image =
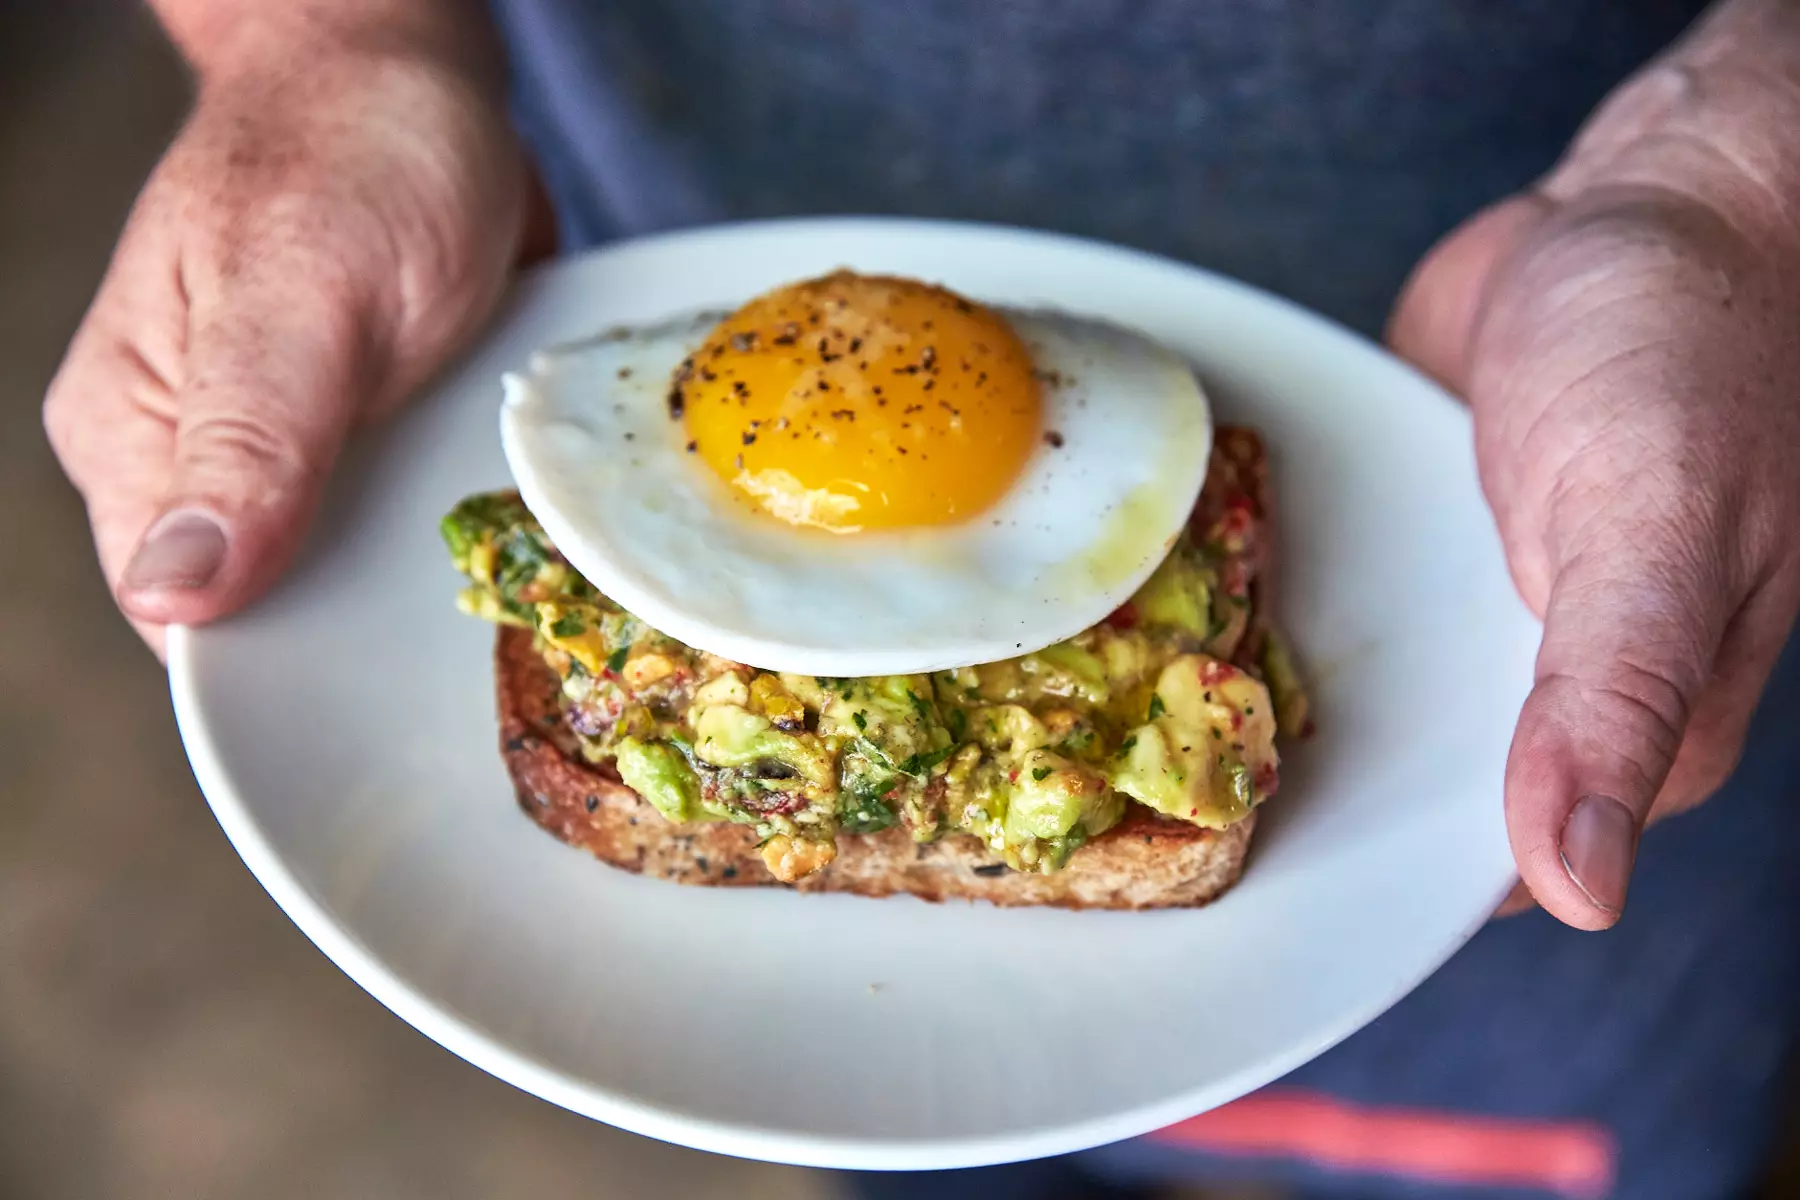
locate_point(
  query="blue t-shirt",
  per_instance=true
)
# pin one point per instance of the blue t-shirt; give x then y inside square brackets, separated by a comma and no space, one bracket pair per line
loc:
[1314,147]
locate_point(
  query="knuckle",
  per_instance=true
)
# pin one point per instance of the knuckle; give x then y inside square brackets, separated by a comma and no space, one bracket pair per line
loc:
[244,445]
[1639,712]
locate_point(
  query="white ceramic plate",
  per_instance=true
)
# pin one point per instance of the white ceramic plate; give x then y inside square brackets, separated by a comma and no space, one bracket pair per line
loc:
[343,732]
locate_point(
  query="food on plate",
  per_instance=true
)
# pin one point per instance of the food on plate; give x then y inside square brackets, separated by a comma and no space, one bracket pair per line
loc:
[861,475]
[1118,764]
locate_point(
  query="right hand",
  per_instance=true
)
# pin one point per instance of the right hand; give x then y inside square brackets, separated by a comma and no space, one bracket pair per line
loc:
[327,228]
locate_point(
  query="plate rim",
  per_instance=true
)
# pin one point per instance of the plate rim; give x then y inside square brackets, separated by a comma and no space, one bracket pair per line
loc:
[490,1053]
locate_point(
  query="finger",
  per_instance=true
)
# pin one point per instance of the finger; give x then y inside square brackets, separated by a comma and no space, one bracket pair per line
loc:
[278,357]
[1631,635]
[109,412]
[1435,318]
[117,451]
[1715,735]
[1517,901]
[539,235]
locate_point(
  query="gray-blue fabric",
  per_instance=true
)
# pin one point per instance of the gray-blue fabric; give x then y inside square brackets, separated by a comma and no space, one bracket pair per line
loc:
[1316,148]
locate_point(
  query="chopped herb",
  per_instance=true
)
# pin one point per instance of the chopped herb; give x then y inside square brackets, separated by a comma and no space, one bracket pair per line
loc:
[864,810]
[958,721]
[917,765]
[920,707]
[616,659]
[1156,706]
[862,722]
[1126,746]
[1041,773]
[567,626]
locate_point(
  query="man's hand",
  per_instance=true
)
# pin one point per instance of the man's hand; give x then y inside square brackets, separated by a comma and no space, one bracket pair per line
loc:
[341,208]
[1629,338]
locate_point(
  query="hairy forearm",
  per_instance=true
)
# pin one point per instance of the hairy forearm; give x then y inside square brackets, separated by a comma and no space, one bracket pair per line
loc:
[1715,120]
[221,37]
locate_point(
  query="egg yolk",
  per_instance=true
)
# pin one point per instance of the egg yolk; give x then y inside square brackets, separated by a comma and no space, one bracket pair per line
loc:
[856,402]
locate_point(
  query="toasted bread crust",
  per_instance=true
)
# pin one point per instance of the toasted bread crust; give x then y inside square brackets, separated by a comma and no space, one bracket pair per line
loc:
[1146,861]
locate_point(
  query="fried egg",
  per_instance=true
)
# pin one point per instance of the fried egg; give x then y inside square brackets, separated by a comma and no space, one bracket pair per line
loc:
[861,475]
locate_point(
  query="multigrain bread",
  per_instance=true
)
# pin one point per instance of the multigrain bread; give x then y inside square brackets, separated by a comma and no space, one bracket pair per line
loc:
[1146,861]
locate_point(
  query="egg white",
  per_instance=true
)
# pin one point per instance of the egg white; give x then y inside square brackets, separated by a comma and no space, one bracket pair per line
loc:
[603,467]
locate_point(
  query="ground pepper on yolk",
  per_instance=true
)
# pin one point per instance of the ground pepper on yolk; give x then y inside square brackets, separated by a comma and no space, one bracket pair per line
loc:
[853,402]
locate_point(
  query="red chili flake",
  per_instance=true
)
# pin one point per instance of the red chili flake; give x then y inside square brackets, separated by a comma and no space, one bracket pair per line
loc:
[1214,672]
[692,446]
[1123,617]
[1054,438]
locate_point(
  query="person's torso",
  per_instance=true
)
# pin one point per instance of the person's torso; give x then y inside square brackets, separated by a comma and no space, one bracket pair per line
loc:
[1313,148]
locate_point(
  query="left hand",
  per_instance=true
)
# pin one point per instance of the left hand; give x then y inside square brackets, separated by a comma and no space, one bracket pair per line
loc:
[1630,346]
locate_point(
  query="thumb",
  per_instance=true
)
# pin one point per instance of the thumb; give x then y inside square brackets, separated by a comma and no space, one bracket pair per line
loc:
[275,369]
[1630,640]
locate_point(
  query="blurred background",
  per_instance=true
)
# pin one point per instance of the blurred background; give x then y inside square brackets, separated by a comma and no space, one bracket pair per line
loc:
[164,1030]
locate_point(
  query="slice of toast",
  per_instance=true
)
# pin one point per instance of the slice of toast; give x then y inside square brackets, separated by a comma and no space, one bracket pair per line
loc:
[1146,861]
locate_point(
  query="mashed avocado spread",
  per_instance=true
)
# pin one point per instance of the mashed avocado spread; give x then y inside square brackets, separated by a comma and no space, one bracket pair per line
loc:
[1173,702]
